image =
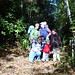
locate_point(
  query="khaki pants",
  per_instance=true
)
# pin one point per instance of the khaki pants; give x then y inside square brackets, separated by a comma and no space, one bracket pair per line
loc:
[45,56]
[56,54]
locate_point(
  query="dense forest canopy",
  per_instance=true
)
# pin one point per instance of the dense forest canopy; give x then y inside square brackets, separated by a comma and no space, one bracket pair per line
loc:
[17,15]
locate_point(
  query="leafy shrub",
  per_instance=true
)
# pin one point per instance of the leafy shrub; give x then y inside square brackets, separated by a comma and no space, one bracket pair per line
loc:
[12,28]
[14,31]
[25,42]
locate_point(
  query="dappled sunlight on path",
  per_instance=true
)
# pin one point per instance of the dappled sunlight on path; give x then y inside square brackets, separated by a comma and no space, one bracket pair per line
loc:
[19,65]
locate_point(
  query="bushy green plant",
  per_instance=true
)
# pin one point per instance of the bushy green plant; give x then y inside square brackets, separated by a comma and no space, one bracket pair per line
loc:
[60,65]
[25,42]
[19,27]
[64,41]
[12,28]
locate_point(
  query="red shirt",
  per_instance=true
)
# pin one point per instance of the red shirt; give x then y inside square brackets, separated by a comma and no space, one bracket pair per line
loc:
[46,48]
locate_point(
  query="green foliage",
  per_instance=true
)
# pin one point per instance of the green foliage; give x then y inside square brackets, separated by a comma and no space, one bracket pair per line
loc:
[71,59]
[2,32]
[60,65]
[25,42]
[73,25]
[14,27]
[62,23]
[64,41]
[15,19]
[19,27]
[14,30]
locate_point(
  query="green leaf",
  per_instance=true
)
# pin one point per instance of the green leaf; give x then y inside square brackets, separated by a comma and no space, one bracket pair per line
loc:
[2,32]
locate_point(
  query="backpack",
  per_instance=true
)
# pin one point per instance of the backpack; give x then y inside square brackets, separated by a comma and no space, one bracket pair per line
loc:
[46,48]
[30,29]
[34,34]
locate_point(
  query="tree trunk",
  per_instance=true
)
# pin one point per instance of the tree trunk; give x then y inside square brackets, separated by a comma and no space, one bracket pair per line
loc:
[68,10]
[21,8]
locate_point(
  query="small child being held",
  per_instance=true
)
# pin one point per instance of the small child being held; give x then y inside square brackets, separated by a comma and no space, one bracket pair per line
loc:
[46,50]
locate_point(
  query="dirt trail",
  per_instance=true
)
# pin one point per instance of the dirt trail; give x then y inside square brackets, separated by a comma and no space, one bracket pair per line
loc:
[19,65]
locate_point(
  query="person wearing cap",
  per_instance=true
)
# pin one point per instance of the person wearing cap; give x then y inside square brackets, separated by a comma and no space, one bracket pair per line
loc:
[47,28]
[44,30]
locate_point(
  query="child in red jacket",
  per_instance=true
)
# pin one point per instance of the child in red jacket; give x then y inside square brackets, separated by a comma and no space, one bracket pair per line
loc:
[46,50]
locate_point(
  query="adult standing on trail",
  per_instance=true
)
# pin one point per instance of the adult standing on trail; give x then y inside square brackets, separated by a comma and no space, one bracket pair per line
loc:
[34,33]
[44,30]
[55,43]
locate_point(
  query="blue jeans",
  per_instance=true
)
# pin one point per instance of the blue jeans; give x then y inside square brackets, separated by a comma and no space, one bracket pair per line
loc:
[32,56]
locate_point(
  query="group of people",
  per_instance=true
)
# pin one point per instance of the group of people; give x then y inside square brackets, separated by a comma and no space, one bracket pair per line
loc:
[43,42]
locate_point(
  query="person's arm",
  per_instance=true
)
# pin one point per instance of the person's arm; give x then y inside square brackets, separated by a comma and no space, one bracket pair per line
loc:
[40,49]
[47,37]
[48,30]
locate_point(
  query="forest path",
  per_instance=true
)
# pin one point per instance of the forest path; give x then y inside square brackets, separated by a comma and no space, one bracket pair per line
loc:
[20,65]
[17,63]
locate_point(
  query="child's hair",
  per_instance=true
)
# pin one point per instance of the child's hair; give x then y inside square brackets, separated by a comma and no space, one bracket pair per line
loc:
[39,39]
[48,41]
[54,30]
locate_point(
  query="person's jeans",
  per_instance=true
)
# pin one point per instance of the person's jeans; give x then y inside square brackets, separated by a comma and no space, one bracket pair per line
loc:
[32,56]
[56,55]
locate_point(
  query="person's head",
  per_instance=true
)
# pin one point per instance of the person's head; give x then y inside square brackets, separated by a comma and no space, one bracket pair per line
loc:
[48,41]
[39,39]
[54,31]
[45,23]
[37,25]
[42,24]
[31,27]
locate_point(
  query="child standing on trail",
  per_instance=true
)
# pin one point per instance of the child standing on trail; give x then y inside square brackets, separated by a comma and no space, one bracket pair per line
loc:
[46,50]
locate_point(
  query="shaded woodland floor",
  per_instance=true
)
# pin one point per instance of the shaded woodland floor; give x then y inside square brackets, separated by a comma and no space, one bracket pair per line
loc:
[16,62]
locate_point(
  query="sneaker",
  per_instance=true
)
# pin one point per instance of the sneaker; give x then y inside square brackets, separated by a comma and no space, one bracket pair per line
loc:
[47,60]
[39,60]
[42,60]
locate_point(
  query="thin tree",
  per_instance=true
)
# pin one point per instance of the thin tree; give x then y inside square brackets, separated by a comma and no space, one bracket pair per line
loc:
[69,16]
[68,10]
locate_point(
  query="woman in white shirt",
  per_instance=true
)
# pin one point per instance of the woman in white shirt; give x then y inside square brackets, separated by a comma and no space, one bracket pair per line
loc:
[35,51]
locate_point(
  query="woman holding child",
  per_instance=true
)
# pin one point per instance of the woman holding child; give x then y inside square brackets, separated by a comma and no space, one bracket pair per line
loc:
[44,30]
